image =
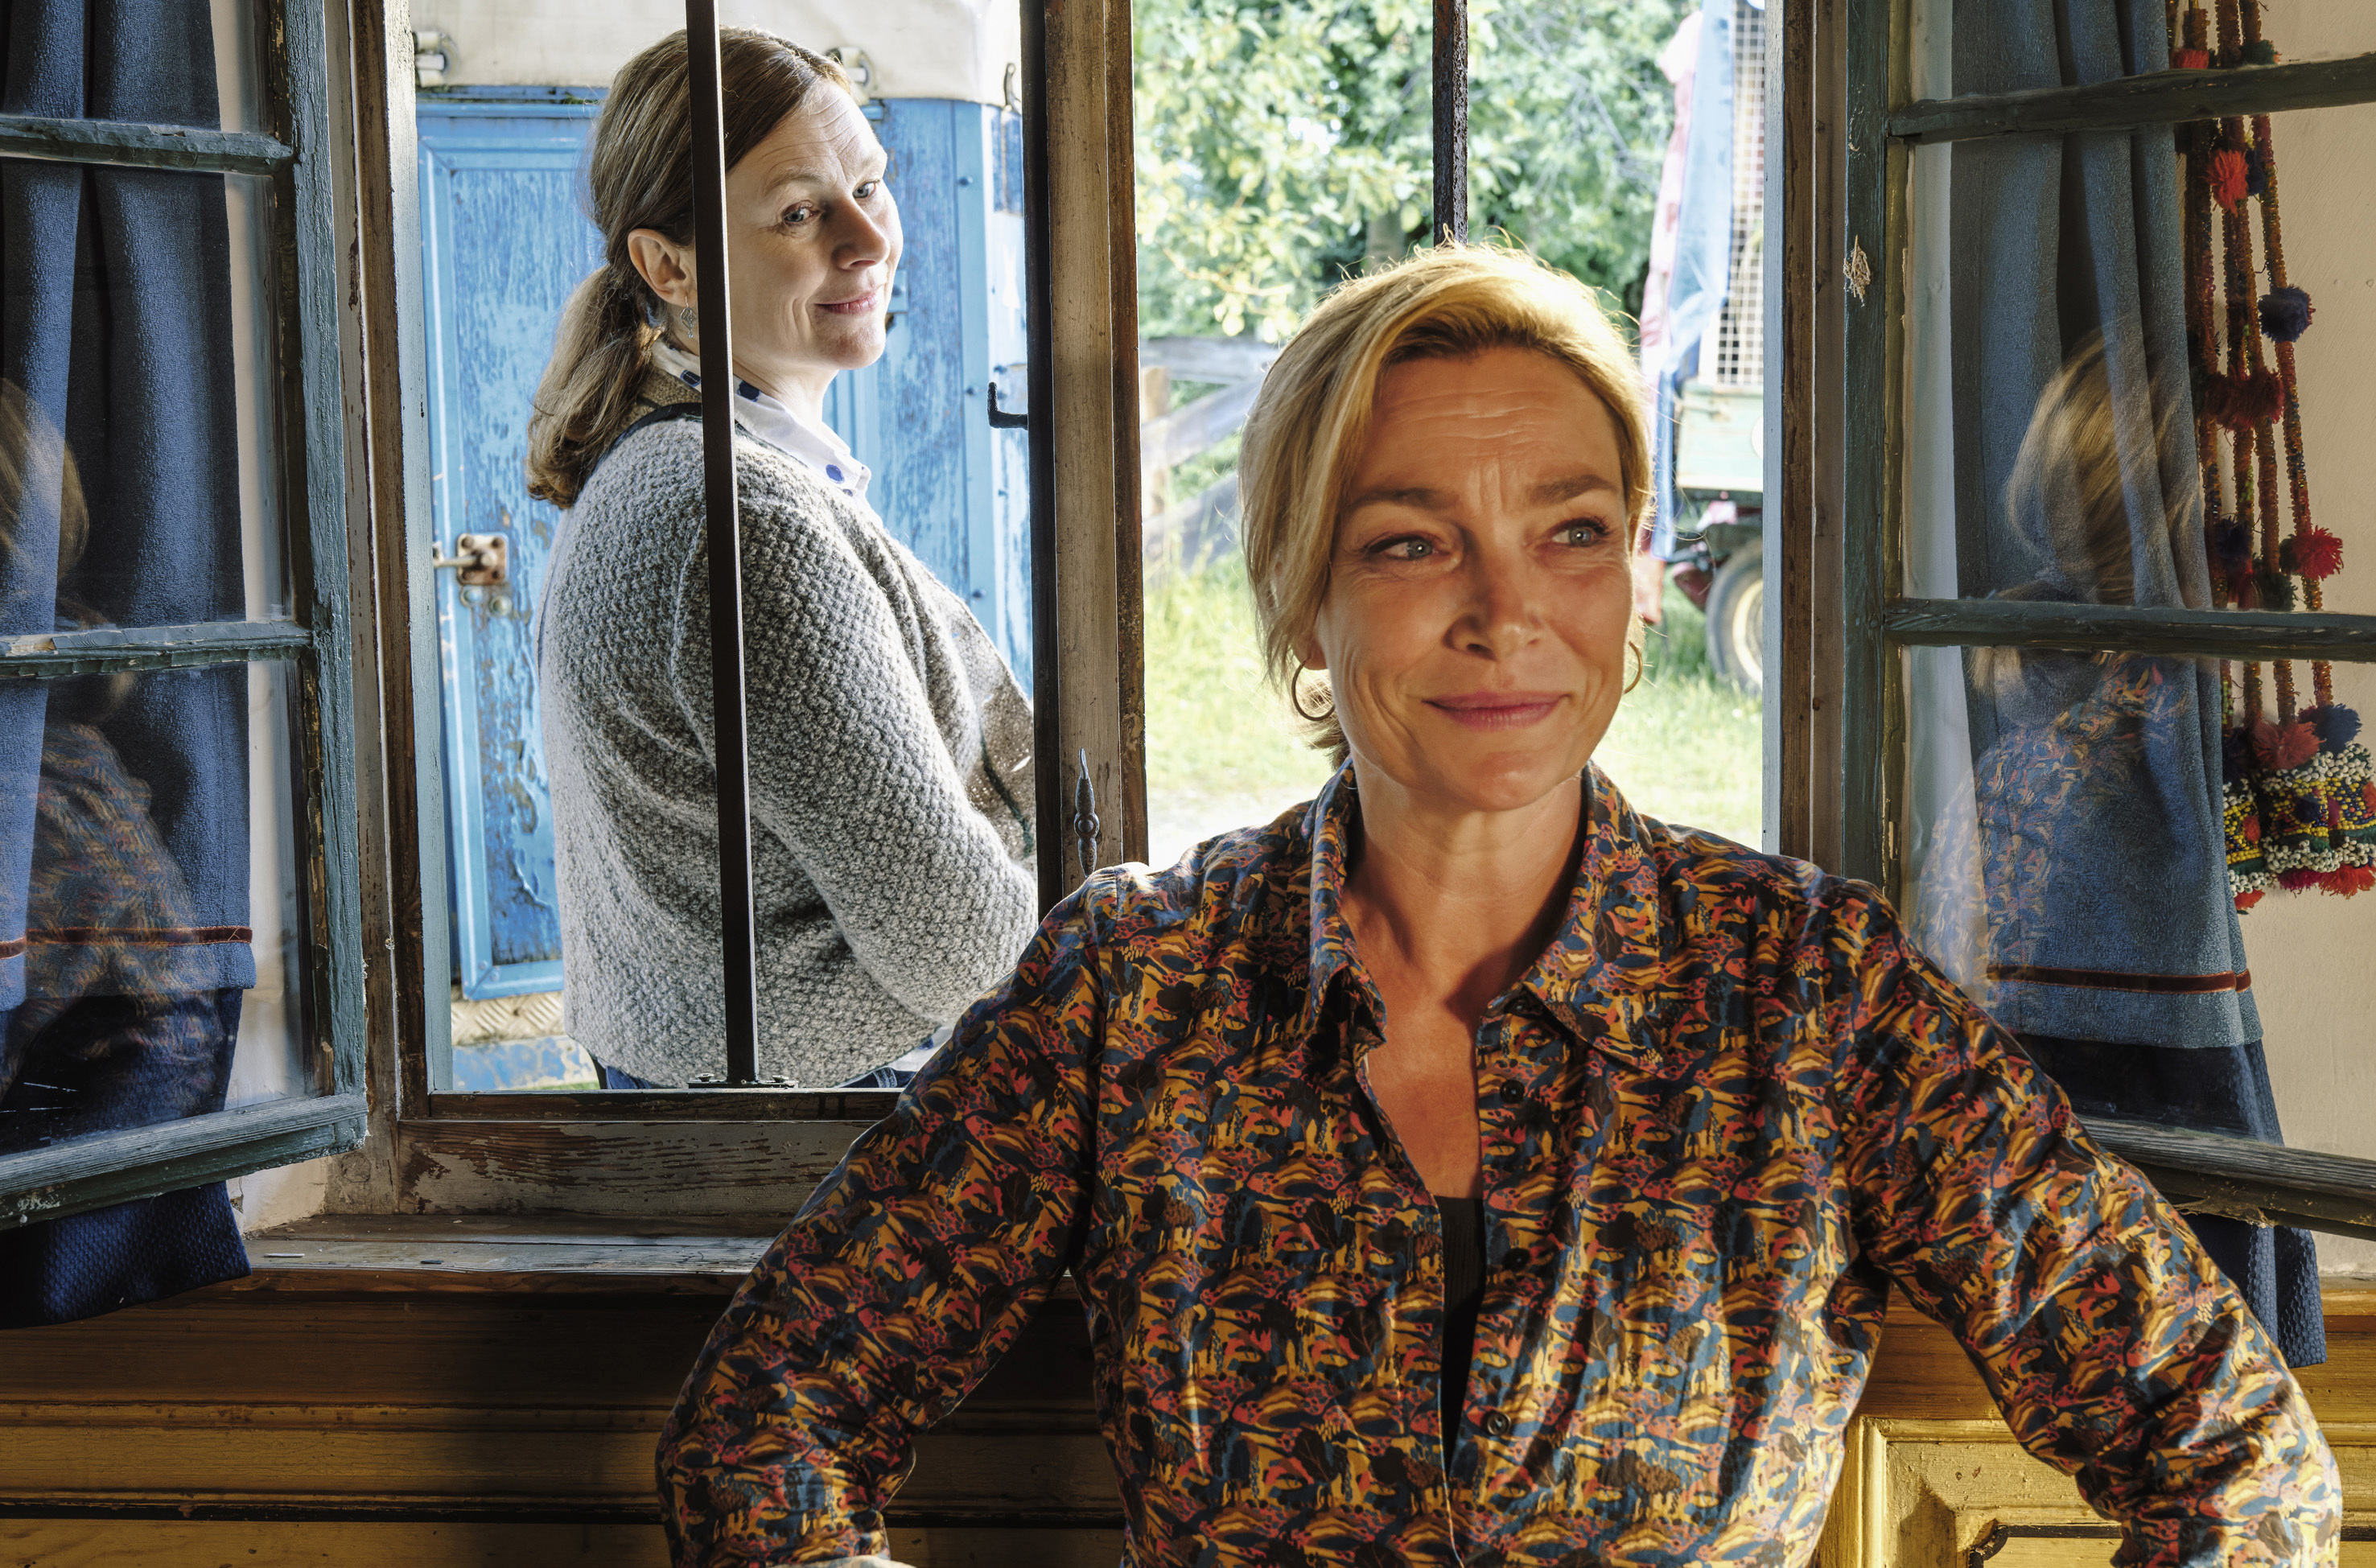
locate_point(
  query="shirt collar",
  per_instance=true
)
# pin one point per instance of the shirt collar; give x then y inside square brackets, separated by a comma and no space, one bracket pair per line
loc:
[1603,975]
[814,446]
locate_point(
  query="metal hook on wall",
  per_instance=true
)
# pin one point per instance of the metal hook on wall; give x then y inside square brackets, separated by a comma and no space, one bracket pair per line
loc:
[1085,816]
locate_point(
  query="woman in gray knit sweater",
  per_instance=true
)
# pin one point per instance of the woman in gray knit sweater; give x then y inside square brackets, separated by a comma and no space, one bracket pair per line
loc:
[890,747]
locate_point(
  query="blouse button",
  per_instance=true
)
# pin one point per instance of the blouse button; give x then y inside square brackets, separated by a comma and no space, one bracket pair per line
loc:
[1498,1423]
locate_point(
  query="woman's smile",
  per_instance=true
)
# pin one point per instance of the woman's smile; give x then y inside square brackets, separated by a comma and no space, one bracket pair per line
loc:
[857,304]
[1497,710]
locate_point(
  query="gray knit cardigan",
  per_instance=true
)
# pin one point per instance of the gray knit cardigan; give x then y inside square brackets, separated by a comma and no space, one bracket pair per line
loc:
[891,786]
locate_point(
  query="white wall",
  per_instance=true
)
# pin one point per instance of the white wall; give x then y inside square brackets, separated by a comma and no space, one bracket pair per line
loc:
[2314,957]
[956,49]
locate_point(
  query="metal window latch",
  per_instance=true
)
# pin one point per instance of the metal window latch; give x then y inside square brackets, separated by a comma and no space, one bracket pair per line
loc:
[484,560]
[1006,419]
[1085,816]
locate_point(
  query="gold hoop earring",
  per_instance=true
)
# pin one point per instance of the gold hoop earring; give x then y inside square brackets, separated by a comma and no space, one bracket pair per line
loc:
[1295,697]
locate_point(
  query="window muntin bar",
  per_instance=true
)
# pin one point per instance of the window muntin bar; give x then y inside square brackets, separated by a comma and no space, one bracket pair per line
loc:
[736,891]
[2157,98]
[2211,633]
[2206,1172]
[101,648]
[52,1183]
[127,144]
[1449,97]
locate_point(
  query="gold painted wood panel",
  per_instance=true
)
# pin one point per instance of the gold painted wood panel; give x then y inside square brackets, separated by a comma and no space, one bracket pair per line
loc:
[146,1543]
[431,1457]
[1919,1494]
[517,1425]
[2035,1552]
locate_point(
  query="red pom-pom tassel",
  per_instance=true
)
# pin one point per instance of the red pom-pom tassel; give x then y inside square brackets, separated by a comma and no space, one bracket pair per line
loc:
[2246,900]
[2277,747]
[2314,554]
[2348,882]
[2230,177]
[2190,59]
[2264,396]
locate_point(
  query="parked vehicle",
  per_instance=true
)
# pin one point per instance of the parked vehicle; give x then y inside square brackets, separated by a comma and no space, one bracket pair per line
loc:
[1720,559]
[1702,331]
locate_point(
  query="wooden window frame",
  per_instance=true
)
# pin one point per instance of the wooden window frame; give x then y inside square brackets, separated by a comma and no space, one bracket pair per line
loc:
[715,1152]
[300,153]
[1837,733]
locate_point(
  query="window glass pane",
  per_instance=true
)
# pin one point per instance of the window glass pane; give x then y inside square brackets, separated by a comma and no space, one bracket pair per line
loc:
[2115,398]
[887,577]
[149,903]
[2073,860]
[239,28]
[139,329]
[163,61]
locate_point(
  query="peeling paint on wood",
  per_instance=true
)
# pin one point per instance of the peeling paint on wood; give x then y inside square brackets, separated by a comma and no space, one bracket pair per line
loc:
[628,1168]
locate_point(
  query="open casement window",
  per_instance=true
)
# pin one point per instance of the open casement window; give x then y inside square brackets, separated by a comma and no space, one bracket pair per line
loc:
[180,966]
[2043,447]
[1040,188]
[1068,162]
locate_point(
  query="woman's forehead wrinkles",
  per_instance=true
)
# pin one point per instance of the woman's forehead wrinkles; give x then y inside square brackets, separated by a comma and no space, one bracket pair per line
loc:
[824,154]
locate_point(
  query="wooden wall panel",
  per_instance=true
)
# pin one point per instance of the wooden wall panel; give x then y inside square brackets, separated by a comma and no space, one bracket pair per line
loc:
[126,1543]
[402,1426]
[276,1422]
[764,1169]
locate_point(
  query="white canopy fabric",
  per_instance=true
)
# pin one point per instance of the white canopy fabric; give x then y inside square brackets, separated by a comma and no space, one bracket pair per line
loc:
[952,49]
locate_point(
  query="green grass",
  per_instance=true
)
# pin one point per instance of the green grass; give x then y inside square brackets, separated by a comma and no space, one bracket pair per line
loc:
[1687,747]
[1222,750]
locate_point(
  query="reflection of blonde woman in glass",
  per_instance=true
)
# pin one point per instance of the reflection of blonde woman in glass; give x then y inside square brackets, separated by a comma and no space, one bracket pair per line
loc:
[117,1027]
[2071,730]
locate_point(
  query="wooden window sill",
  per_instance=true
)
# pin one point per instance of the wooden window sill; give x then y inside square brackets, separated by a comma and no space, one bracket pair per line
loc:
[508,1253]
[438,1253]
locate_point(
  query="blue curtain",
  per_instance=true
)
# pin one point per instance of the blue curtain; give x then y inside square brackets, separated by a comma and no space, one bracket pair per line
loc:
[123,802]
[2113,945]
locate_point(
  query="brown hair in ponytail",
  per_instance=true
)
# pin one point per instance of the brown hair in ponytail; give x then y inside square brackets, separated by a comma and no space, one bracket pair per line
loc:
[640,176]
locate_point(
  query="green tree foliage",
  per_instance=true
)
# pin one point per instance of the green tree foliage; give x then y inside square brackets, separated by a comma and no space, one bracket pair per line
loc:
[1282,143]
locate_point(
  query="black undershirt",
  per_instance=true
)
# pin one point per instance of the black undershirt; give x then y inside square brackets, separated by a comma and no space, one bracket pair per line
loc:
[1464,1292]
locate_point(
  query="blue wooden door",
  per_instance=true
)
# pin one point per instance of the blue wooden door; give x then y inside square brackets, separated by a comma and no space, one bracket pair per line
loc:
[505,240]
[949,486]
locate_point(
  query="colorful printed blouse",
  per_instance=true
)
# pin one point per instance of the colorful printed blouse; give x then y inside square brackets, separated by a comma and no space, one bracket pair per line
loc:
[1725,1110]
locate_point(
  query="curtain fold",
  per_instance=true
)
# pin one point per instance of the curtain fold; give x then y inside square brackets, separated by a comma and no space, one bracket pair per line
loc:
[124,801]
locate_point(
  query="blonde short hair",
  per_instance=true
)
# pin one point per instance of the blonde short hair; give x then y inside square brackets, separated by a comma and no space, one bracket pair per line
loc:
[1312,419]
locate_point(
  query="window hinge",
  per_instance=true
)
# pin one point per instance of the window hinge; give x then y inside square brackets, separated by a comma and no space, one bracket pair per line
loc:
[1085,816]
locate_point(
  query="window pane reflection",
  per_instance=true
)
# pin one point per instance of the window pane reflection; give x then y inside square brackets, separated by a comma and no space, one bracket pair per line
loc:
[151,931]
[140,334]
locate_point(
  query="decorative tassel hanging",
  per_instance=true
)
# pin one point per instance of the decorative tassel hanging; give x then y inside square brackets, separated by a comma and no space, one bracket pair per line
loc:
[2285,313]
[2299,788]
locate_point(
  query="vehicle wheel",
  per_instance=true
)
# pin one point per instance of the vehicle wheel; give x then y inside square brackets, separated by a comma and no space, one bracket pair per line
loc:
[1736,618]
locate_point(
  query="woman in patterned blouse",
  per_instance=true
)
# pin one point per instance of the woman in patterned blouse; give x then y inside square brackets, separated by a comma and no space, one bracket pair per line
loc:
[1465,1167]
